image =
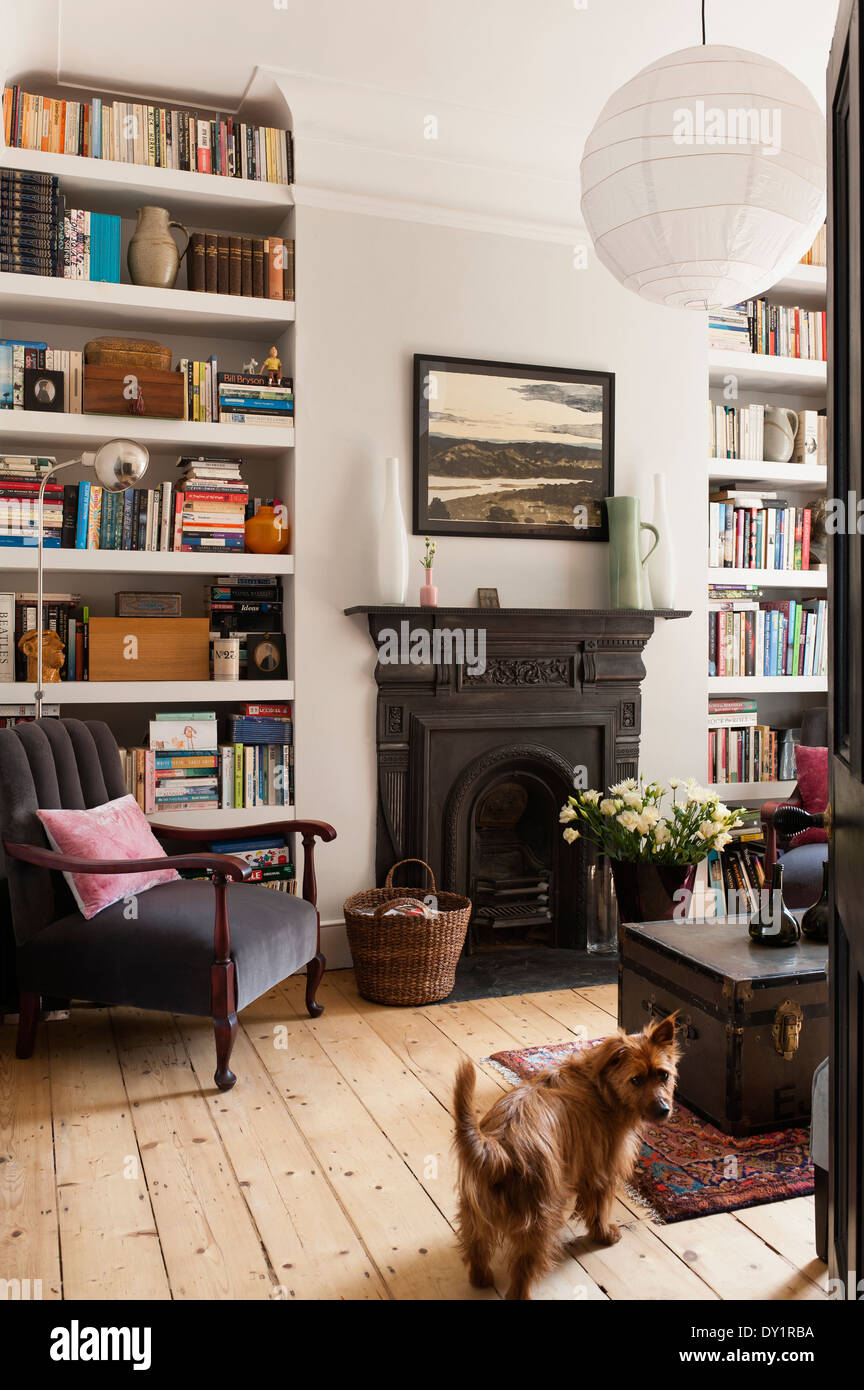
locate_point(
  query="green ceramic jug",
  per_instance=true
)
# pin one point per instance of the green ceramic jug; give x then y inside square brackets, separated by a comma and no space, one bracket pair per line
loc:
[626,586]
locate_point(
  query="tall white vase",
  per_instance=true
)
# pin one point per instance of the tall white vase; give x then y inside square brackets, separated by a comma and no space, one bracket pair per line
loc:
[660,565]
[392,541]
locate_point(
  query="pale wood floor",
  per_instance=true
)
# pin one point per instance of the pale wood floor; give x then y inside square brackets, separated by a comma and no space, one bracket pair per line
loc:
[325,1173]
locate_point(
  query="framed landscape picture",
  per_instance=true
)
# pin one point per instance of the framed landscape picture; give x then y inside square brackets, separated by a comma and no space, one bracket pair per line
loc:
[502,449]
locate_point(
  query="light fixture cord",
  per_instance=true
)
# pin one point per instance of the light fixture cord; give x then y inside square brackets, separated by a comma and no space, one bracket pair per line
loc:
[703,22]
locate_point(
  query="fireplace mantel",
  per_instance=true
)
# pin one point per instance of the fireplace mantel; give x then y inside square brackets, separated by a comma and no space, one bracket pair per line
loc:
[560,688]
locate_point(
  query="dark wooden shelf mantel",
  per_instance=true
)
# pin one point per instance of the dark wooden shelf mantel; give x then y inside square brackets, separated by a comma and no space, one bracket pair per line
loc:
[408,611]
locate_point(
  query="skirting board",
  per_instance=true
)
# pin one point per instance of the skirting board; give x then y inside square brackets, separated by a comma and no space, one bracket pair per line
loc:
[334,944]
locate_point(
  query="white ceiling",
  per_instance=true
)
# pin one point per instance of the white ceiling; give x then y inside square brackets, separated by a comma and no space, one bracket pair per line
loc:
[550,61]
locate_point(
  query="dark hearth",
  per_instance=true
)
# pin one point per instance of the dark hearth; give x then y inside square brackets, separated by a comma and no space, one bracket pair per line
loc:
[473,767]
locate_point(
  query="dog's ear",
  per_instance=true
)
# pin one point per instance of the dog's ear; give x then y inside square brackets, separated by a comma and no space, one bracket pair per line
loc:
[662,1034]
[609,1052]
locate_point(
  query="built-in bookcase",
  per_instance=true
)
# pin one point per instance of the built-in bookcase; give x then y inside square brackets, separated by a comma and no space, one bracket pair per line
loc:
[801,385]
[68,313]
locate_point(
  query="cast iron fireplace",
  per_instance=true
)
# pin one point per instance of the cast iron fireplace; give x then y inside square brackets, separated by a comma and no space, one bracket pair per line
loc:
[473,768]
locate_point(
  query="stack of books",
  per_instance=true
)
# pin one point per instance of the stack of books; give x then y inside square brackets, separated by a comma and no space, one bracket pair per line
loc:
[21,477]
[91,246]
[239,605]
[750,637]
[729,329]
[258,267]
[184,761]
[739,748]
[31,225]
[254,400]
[270,859]
[138,133]
[210,513]
[736,432]
[757,530]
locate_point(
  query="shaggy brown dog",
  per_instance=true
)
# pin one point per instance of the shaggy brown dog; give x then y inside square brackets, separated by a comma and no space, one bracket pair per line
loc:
[563,1139]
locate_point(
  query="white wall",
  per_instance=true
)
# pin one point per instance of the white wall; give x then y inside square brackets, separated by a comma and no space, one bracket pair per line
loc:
[371,292]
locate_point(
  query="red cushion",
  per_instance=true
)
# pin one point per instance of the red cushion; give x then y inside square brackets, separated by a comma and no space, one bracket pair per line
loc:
[812,768]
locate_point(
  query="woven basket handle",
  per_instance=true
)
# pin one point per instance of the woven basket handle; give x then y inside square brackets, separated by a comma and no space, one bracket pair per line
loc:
[388,906]
[388,882]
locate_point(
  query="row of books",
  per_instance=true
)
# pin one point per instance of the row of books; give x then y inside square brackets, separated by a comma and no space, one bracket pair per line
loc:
[268,855]
[31,227]
[787,637]
[746,754]
[761,531]
[773,330]
[138,133]
[91,246]
[61,613]
[738,432]
[818,253]
[736,877]
[18,355]
[10,715]
[257,267]
[235,397]
[186,766]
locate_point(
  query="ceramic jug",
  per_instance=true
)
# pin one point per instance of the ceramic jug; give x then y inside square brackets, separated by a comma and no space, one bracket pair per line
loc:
[781,426]
[626,587]
[153,258]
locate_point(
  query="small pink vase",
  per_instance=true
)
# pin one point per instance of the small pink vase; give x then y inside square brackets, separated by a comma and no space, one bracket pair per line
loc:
[428,592]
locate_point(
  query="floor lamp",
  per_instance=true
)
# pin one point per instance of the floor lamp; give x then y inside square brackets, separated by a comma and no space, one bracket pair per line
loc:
[118,465]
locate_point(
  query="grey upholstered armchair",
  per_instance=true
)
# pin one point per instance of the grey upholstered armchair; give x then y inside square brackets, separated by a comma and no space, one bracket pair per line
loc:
[197,946]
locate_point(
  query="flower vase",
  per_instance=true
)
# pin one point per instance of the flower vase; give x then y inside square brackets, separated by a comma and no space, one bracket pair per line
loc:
[660,565]
[392,541]
[428,592]
[652,892]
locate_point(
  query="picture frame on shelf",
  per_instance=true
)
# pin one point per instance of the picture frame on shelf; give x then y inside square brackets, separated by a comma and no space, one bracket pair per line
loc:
[43,389]
[488,598]
[508,449]
[266,656]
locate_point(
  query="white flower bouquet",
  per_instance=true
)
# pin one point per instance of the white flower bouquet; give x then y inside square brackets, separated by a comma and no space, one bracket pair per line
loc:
[630,822]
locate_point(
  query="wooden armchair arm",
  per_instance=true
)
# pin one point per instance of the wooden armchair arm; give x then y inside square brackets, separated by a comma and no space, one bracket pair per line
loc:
[226,866]
[768,829]
[308,829]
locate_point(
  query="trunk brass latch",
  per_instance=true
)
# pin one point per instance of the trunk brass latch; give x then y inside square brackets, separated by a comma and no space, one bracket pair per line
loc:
[787,1028]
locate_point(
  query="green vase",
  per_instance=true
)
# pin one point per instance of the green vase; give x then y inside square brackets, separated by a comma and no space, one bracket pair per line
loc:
[627,588]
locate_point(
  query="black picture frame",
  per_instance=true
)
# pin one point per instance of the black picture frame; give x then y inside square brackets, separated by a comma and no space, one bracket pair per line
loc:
[258,667]
[43,390]
[429,514]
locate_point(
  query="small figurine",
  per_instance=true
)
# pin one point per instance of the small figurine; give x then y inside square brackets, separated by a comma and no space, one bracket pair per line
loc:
[248,368]
[273,367]
[53,655]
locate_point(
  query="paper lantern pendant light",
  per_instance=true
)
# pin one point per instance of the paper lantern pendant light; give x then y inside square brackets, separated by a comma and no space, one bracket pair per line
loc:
[703,180]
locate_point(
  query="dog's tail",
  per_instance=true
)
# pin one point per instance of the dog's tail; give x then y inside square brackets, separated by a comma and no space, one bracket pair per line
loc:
[476,1150]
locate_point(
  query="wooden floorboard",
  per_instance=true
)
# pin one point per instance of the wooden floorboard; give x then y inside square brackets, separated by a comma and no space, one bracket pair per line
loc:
[327,1172]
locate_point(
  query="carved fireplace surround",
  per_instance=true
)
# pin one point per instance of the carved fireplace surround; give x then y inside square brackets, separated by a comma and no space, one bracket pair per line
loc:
[561,687]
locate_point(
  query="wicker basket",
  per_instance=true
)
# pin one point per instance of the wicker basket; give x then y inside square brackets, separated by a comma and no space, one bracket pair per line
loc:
[406,959]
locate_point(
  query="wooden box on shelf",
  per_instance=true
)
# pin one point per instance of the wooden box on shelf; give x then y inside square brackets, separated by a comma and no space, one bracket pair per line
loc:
[149,649]
[112,391]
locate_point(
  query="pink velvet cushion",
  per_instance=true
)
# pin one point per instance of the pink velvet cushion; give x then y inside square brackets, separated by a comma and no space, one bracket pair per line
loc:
[117,830]
[812,767]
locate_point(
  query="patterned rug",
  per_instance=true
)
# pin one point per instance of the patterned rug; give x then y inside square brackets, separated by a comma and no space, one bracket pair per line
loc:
[687,1167]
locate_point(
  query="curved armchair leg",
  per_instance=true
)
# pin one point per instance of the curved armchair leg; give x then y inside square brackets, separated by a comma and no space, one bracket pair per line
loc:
[314,975]
[226,1031]
[28,1019]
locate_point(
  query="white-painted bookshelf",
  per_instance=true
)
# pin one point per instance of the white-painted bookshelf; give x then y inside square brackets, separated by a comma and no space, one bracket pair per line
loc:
[67,313]
[741,378]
